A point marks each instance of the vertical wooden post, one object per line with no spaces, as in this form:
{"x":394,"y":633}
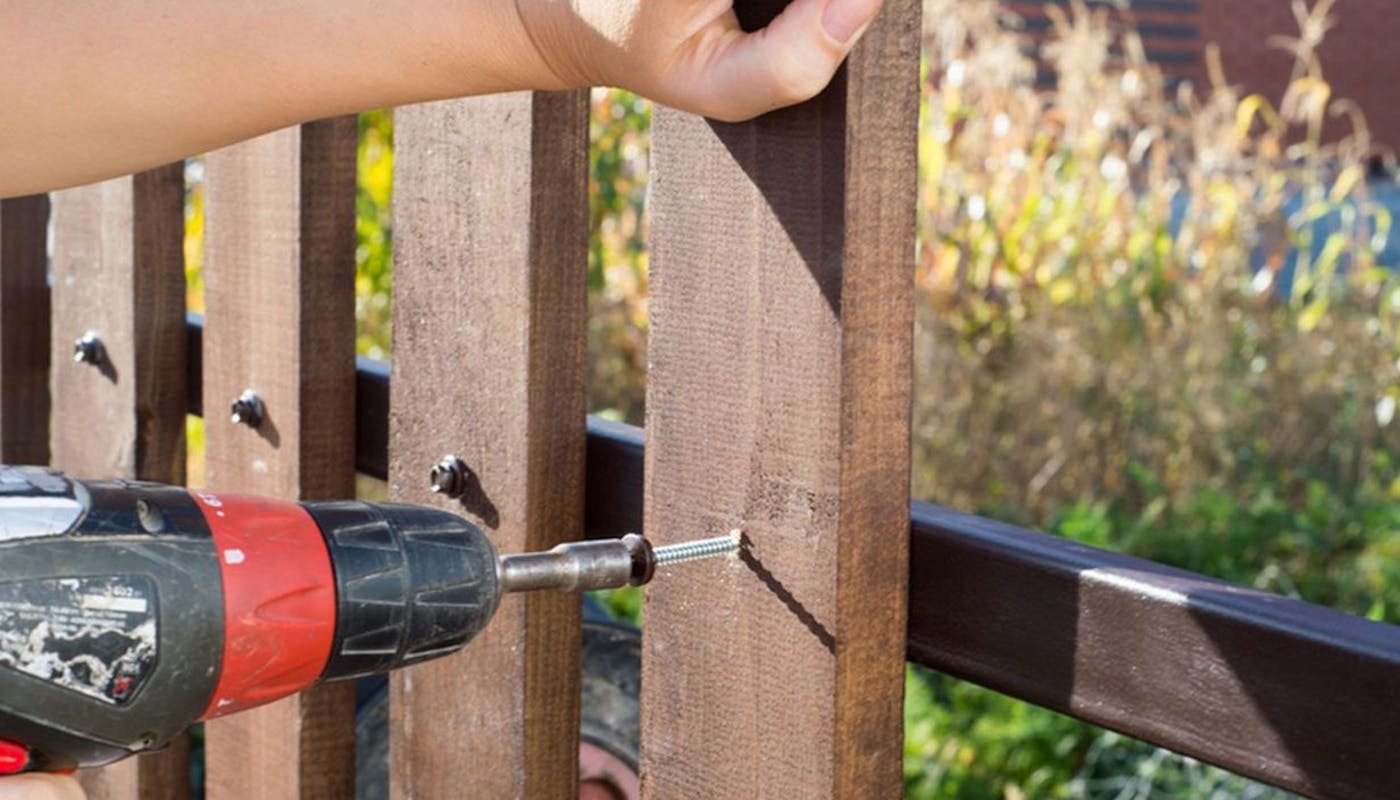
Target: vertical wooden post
{"x":280,"y":242}
{"x":778,"y":402}
{"x":491,"y":241}
{"x":118,"y":272}
{"x":24,"y":331}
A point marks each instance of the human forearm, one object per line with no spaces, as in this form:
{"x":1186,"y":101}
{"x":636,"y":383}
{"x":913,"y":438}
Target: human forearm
{"x":38,"y":786}
{"x":96,"y":88}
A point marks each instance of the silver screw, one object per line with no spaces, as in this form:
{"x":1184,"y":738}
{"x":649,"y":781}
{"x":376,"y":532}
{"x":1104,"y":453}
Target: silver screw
{"x":248,"y":409}
{"x":88,"y":349}
{"x":448,"y":477}
{"x":698,"y":549}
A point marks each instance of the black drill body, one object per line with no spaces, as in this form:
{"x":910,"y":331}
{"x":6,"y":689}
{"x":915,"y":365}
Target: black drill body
{"x":124,"y":618}
{"x":110,"y":637}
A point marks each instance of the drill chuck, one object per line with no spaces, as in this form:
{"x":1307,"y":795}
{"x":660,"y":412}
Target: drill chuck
{"x":412,"y":583}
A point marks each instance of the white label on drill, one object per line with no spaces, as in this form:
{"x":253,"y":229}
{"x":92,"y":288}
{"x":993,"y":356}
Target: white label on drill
{"x":96,"y":636}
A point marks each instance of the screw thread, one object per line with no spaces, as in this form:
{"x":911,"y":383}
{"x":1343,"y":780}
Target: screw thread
{"x":698,"y":549}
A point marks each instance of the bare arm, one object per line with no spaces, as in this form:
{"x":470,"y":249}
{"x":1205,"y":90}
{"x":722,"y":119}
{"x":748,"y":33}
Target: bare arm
{"x":95,"y":88}
{"x":39,"y":787}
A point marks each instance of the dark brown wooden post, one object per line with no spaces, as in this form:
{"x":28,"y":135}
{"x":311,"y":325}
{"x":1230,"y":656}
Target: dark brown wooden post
{"x":280,"y":242}
{"x":778,"y":403}
{"x":491,"y":240}
{"x":24,"y":331}
{"x":118,"y":274}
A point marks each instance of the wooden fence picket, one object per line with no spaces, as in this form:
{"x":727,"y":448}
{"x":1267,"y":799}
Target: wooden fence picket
{"x":280,"y":242}
{"x":118,"y":274}
{"x":777,"y":402}
{"x":24,"y":331}
{"x":491,"y":237}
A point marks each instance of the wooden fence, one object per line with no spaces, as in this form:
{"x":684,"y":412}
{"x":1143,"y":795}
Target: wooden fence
{"x":778,"y":400}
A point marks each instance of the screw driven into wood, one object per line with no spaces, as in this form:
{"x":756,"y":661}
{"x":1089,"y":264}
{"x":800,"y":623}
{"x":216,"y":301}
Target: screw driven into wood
{"x":88,"y":349}
{"x":449,"y":477}
{"x":248,"y":409}
{"x":698,"y":549}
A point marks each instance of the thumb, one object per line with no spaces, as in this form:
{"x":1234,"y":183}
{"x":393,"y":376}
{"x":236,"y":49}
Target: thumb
{"x":39,"y":786}
{"x":790,"y":60}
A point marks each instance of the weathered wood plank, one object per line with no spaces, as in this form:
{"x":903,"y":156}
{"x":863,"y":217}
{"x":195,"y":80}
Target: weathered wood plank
{"x":280,"y":242}
{"x":118,"y":271}
{"x":24,"y":331}
{"x":491,"y":240}
{"x":778,"y":402}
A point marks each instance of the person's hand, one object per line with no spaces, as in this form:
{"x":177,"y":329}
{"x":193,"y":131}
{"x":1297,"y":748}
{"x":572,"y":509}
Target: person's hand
{"x":692,"y":54}
{"x":39,"y":786}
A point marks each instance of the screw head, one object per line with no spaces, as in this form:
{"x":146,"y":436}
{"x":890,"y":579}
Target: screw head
{"x":248,"y":409}
{"x":448,"y":477}
{"x":88,"y":349}
{"x":152,"y":519}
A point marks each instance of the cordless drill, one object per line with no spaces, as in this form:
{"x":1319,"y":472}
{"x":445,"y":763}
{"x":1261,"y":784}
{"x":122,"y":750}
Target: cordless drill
{"x":130,"y":610}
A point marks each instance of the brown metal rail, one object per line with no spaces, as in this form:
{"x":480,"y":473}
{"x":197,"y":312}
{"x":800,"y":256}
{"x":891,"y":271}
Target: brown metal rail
{"x":1290,"y":693}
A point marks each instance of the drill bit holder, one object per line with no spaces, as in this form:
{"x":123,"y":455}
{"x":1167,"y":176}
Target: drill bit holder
{"x":604,"y":564}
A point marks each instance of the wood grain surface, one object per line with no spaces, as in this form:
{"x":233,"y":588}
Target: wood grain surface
{"x":777,"y":399}
{"x":280,"y":269}
{"x":24,"y":331}
{"x":118,"y":270}
{"x":491,"y":239}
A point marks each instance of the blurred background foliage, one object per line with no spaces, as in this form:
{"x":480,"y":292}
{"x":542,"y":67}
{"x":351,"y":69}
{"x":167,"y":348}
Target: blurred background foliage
{"x":1154,"y":318}
{"x":1157,"y":319}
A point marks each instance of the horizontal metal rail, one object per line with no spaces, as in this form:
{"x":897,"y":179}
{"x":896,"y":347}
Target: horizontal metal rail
{"x":1290,"y":693}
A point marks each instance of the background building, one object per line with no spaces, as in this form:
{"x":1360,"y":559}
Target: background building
{"x":1360,"y":55}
